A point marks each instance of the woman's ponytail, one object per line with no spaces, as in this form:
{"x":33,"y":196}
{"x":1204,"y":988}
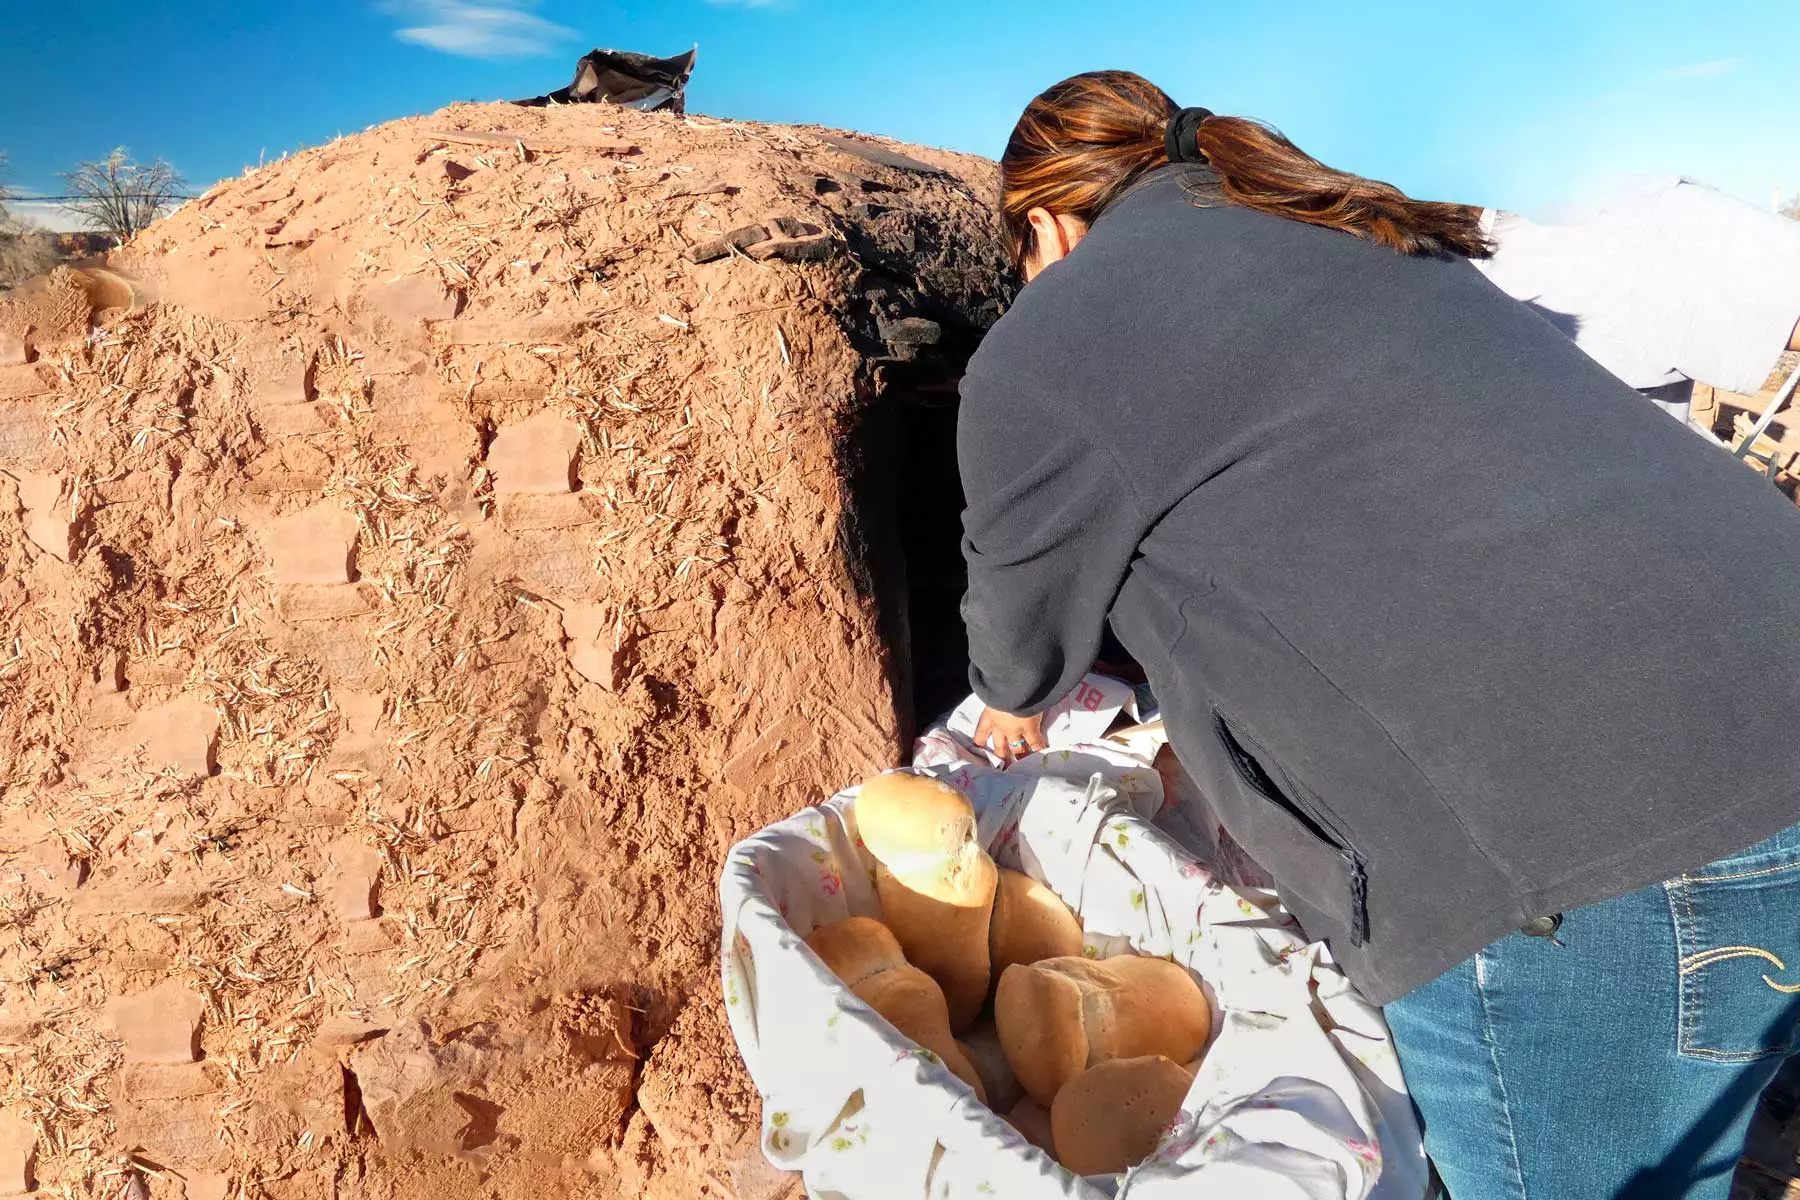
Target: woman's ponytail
{"x":1082,"y":143}
{"x":1259,"y":168}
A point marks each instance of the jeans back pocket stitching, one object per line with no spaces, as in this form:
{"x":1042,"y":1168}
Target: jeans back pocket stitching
{"x":1718,"y":954}
{"x":1706,"y":958}
{"x":1688,"y":999}
{"x":1736,"y":1056}
{"x":1787,"y":866}
{"x":1682,"y":914}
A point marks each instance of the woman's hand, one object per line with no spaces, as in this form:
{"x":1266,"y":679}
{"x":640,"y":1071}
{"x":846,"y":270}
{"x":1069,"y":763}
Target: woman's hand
{"x":1010,"y":738}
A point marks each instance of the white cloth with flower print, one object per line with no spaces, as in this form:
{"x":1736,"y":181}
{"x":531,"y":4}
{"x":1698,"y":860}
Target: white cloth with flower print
{"x":1299,"y":1095}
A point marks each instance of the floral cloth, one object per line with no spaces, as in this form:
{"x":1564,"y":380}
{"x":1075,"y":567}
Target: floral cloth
{"x":1299,"y":1095}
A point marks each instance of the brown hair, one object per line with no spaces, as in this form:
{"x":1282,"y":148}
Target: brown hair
{"x":1085,"y":141}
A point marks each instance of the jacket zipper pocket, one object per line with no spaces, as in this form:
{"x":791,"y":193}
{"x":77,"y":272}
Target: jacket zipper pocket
{"x":1251,"y":770}
{"x":1359,"y":897}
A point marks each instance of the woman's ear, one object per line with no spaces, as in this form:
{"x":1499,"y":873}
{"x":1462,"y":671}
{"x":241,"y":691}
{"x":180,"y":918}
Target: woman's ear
{"x":1073,"y":230}
{"x":1053,"y":235}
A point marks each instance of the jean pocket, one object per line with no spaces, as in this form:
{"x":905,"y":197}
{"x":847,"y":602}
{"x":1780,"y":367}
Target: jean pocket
{"x":1737,"y":934}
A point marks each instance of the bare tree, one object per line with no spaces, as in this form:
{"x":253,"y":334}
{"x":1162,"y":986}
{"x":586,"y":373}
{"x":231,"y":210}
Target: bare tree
{"x":24,"y":250}
{"x":120,"y":197}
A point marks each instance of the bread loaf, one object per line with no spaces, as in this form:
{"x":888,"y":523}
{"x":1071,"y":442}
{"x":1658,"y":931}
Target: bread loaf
{"x":1033,"y":1121}
{"x":1110,"y":1117}
{"x":935,"y":882}
{"x":982,"y":1046}
{"x":1030,"y":923}
{"x":1064,"y":1015}
{"x":864,"y":955}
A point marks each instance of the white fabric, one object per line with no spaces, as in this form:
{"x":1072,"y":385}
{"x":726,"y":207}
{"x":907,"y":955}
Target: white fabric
{"x":1299,"y":1096}
{"x":1668,"y":280}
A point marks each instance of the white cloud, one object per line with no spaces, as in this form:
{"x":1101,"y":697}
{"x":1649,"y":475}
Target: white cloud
{"x":1712,"y":68}
{"x":47,"y":214}
{"x":499,"y":29}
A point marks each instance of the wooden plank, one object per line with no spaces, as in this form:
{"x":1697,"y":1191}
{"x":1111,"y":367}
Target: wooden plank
{"x":878,"y":154}
{"x":505,"y":139}
{"x":1764,"y":446}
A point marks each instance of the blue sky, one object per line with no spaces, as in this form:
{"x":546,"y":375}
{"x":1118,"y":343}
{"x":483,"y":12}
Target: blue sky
{"x":1525,"y":105}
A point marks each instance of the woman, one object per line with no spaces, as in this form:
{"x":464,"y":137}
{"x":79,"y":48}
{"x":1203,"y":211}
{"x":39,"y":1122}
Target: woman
{"x":1408,"y":574}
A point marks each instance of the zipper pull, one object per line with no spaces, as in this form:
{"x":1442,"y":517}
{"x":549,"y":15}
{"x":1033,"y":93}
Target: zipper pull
{"x":1359,"y":898}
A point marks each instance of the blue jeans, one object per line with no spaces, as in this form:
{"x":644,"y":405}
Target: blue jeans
{"x":1622,"y":1059}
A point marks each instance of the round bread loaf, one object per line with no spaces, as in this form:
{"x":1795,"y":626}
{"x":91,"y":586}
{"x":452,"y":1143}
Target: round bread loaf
{"x":865,"y":956}
{"x":1110,"y":1117}
{"x":1030,"y":923}
{"x":935,"y":882}
{"x":856,"y":948}
{"x":1063,"y":1015}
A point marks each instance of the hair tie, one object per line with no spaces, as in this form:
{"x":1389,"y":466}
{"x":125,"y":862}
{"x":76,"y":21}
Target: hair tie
{"x":1180,"y":134}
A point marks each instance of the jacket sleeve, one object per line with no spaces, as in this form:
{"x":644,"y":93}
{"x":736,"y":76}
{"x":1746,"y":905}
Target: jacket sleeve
{"x":1051,"y":526}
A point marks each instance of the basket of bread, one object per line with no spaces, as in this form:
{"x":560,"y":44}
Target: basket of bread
{"x":952,"y":982}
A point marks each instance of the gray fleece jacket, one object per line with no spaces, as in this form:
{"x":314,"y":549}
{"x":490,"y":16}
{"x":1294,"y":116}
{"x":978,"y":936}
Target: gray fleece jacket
{"x":1454,"y":630}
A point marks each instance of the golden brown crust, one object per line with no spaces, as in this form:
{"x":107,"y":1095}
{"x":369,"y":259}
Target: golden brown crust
{"x":1030,"y":923}
{"x":1039,"y":1014}
{"x":864,"y":954}
{"x":935,"y":882}
{"x":856,"y":948}
{"x":901,"y":815}
{"x":1110,"y":1117}
{"x":1150,"y":1006}
{"x":948,"y":941}
{"x":1062,"y":1015}
{"x":911,"y":1001}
